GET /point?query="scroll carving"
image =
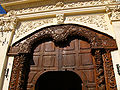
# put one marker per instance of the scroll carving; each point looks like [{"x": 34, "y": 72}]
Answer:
[
  {"x": 100, "y": 78},
  {"x": 26, "y": 26},
  {"x": 97, "y": 20},
  {"x": 109, "y": 71}
]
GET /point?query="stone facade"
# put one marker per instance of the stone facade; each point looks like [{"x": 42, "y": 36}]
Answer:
[{"x": 100, "y": 15}]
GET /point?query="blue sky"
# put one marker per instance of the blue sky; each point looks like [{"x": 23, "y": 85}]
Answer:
[{"x": 2, "y": 11}]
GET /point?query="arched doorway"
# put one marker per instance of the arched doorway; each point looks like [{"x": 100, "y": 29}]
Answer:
[
  {"x": 64, "y": 48},
  {"x": 59, "y": 80}
]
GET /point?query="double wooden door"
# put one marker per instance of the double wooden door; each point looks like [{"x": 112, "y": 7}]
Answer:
[{"x": 72, "y": 55}]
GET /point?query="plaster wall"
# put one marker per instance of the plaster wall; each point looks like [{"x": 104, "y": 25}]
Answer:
[{"x": 4, "y": 41}]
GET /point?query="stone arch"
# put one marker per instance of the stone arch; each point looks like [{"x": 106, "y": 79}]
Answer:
[{"x": 101, "y": 45}]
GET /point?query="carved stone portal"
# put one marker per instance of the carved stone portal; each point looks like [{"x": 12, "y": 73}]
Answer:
[{"x": 100, "y": 45}]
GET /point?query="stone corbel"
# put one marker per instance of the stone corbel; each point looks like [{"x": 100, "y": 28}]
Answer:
[
  {"x": 113, "y": 13},
  {"x": 8, "y": 22},
  {"x": 60, "y": 18}
]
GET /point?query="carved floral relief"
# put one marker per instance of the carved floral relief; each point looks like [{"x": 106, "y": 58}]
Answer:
[
  {"x": 26, "y": 26},
  {"x": 97, "y": 20}
]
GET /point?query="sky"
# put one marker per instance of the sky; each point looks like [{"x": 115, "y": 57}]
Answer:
[{"x": 2, "y": 11}]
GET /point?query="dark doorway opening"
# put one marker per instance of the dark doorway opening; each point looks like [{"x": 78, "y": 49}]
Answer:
[{"x": 59, "y": 80}]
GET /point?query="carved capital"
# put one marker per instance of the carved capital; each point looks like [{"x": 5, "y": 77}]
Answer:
[
  {"x": 114, "y": 12},
  {"x": 8, "y": 22}
]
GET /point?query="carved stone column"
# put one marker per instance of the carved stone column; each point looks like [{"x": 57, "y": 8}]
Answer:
[{"x": 109, "y": 71}]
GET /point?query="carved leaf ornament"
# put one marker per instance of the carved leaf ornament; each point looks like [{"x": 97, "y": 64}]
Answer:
[
  {"x": 60, "y": 33},
  {"x": 100, "y": 43}
]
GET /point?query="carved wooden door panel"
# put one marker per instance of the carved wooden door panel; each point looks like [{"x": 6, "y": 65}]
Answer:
[
  {"x": 45, "y": 57},
  {"x": 77, "y": 57},
  {"x": 74, "y": 56}
]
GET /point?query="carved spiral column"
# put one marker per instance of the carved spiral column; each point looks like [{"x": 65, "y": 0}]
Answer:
[
  {"x": 100, "y": 79},
  {"x": 109, "y": 72},
  {"x": 19, "y": 73}
]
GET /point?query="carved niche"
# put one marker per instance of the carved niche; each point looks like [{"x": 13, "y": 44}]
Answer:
[{"x": 100, "y": 44}]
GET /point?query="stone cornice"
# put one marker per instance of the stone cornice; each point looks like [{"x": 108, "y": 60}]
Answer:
[{"x": 57, "y": 4}]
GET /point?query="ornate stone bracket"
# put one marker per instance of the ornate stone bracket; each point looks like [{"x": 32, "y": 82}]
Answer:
[
  {"x": 60, "y": 18},
  {"x": 8, "y": 22}
]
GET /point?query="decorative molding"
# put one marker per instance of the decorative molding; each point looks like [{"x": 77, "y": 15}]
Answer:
[
  {"x": 60, "y": 18},
  {"x": 113, "y": 12},
  {"x": 62, "y": 5},
  {"x": 8, "y": 22},
  {"x": 97, "y": 20}
]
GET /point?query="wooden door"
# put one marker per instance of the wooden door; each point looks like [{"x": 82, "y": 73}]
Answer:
[{"x": 72, "y": 55}]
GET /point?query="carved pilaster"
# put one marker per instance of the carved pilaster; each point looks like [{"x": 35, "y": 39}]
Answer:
[
  {"x": 109, "y": 71},
  {"x": 100, "y": 78},
  {"x": 19, "y": 73}
]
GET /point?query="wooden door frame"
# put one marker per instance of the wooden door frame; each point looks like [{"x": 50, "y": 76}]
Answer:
[{"x": 101, "y": 46}]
